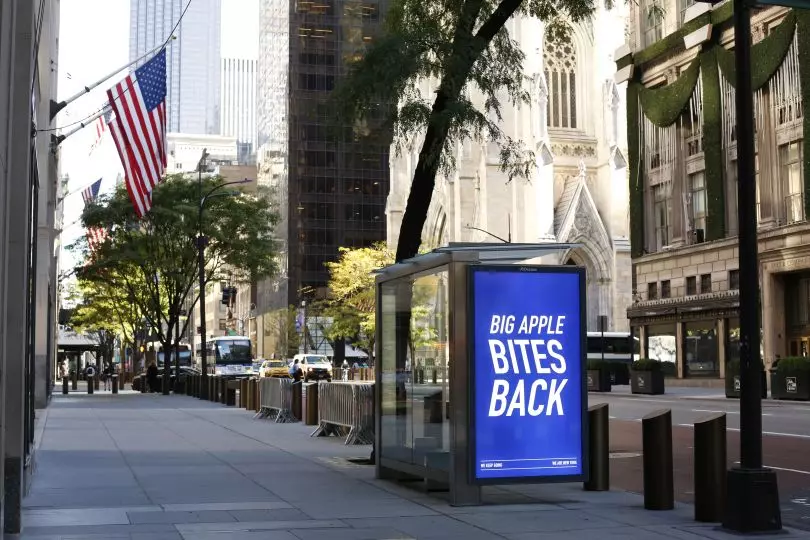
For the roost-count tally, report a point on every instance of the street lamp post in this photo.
(752, 494)
(304, 329)
(201, 243)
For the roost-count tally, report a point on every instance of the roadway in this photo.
(786, 441)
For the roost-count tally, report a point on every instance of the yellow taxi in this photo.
(274, 368)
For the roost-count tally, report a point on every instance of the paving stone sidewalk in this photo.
(152, 467)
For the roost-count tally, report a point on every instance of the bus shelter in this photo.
(457, 404)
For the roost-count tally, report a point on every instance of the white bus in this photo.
(228, 356)
(613, 347)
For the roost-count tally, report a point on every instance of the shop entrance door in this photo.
(800, 346)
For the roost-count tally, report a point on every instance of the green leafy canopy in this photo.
(155, 259)
(460, 46)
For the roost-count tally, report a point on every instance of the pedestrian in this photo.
(107, 378)
(152, 376)
(296, 371)
(63, 369)
(345, 367)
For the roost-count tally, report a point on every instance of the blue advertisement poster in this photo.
(529, 407)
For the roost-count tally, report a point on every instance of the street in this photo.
(786, 442)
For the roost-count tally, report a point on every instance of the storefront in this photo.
(693, 338)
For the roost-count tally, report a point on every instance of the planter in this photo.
(598, 380)
(647, 382)
(789, 384)
(733, 385)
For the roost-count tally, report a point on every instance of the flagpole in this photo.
(56, 107)
(56, 140)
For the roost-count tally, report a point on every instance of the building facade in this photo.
(330, 181)
(577, 192)
(186, 149)
(192, 59)
(238, 105)
(29, 32)
(683, 188)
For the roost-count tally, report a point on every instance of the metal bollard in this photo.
(257, 402)
(296, 400)
(311, 409)
(230, 393)
(659, 488)
(223, 384)
(210, 396)
(243, 393)
(598, 448)
(96, 380)
(710, 468)
(65, 385)
(114, 384)
(90, 385)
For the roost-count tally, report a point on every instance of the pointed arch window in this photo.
(560, 66)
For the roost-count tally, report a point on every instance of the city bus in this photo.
(613, 347)
(229, 356)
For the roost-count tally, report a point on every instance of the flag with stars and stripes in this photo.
(101, 128)
(95, 235)
(139, 129)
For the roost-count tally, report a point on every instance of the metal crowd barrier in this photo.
(346, 409)
(276, 399)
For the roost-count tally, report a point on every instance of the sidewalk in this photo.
(153, 467)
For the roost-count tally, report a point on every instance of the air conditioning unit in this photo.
(697, 236)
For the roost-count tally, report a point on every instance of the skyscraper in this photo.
(331, 181)
(192, 62)
(239, 103)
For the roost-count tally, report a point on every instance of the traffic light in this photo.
(229, 296)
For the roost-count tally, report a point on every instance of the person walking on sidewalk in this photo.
(152, 377)
(107, 377)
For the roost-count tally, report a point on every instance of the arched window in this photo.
(560, 65)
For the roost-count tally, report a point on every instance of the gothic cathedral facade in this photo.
(578, 192)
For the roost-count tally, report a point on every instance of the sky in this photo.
(89, 51)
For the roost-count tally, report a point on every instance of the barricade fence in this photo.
(346, 410)
(276, 399)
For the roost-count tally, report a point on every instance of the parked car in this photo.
(274, 368)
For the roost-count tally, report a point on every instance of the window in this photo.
(691, 286)
(652, 291)
(697, 200)
(701, 351)
(222, 324)
(665, 291)
(662, 206)
(733, 280)
(705, 283)
(560, 60)
(685, 4)
(652, 21)
(790, 171)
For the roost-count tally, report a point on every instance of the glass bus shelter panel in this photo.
(414, 348)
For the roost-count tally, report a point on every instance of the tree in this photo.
(461, 44)
(155, 258)
(352, 299)
(280, 324)
(109, 306)
(94, 316)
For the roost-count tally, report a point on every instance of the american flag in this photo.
(90, 193)
(101, 127)
(139, 129)
(95, 235)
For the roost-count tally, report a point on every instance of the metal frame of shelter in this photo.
(448, 469)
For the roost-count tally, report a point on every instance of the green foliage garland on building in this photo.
(767, 55)
(662, 106)
(713, 146)
(803, 41)
(635, 178)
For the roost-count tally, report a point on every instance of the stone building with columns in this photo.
(577, 192)
(683, 187)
